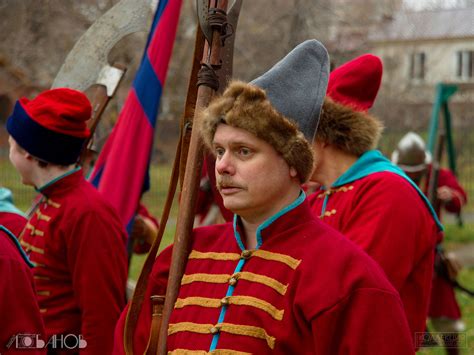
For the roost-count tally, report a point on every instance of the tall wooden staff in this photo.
(208, 83)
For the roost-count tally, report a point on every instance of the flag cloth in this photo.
(122, 167)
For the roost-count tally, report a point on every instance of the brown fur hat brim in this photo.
(349, 130)
(246, 106)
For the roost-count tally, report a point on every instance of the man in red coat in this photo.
(22, 325)
(367, 198)
(74, 238)
(276, 280)
(412, 157)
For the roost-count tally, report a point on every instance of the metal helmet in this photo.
(410, 154)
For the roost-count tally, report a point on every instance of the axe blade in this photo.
(86, 60)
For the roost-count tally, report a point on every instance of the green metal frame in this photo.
(443, 94)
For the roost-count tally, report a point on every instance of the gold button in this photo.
(232, 281)
(214, 330)
(246, 254)
(225, 301)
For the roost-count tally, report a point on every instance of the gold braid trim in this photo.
(248, 330)
(224, 278)
(261, 279)
(37, 277)
(235, 300)
(329, 213)
(189, 327)
(43, 293)
(42, 217)
(52, 203)
(35, 264)
(198, 301)
(210, 278)
(34, 231)
(257, 303)
(29, 247)
(202, 352)
(214, 256)
(236, 329)
(282, 258)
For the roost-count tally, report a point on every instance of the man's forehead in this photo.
(226, 134)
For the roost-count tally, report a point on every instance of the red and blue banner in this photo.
(121, 171)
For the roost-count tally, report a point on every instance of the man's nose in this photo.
(224, 164)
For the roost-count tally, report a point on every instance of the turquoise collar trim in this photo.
(6, 202)
(268, 222)
(56, 179)
(372, 162)
(18, 246)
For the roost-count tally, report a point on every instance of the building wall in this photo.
(440, 65)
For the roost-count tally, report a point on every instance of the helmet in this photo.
(410, 154)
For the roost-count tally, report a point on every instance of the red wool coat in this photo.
(305, 290)
(19, 311)
(77, 243)
(13, 222)
(443, 300)
(384, 215)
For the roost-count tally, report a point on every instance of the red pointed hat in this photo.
(357, 82)
(52, 126)
(352, 89)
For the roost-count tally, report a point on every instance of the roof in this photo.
(432, 24)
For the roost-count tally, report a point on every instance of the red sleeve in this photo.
(390, 221)
(98, 263)
(157, 283)
(447, 178)
(371, 321)
(392, 224)
(13, 222)
(19, 311)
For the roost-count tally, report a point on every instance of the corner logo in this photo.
(34, 341)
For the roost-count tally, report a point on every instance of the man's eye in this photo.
(244, 151)
(219, 152)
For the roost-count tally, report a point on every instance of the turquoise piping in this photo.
(17, 244)
(325, 202)
(273, 218)
(268, 222)
(372, 162)
(230, 291)
(70, 172)
(241, 263)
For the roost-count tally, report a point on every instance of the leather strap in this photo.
(142, 283)
(177, 171)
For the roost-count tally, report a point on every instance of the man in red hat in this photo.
(445, 314)
(365, 196)
(276, 280)
(74, 238)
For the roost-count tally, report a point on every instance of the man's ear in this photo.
(293, 172)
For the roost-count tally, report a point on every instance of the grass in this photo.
(466, 303)
(455, 234)
(457, 237)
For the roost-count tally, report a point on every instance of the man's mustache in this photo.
(224, 181)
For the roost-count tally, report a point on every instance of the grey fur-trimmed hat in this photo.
(281, 107)
(296, 85)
